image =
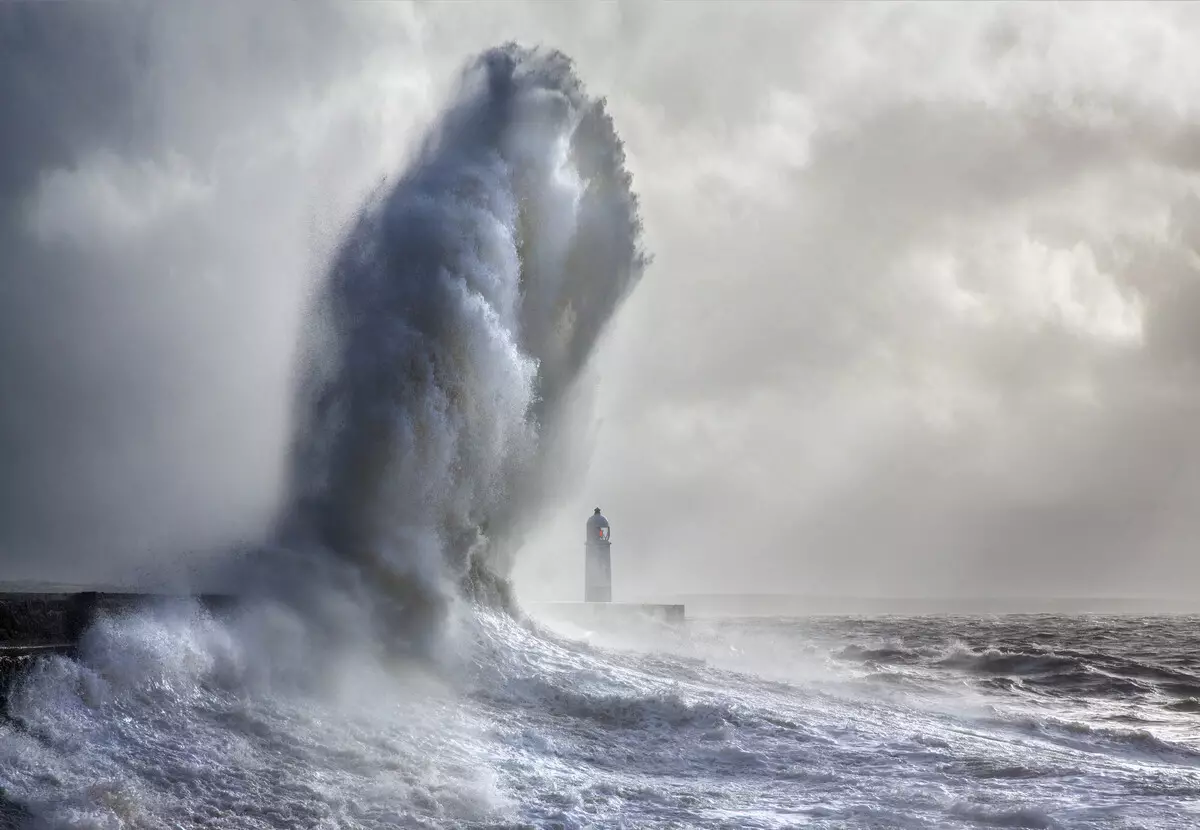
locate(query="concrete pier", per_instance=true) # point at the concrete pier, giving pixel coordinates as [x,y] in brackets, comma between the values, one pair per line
[600,613]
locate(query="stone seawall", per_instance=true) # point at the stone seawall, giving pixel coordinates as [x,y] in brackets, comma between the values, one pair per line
[36,624]
[40,619]
[44,619]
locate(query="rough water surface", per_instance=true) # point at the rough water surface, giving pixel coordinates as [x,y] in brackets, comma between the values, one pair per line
[169,720]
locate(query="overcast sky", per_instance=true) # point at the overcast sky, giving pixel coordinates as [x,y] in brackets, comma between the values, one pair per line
[924,316]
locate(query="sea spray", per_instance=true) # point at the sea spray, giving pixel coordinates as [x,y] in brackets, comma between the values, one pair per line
[461,307]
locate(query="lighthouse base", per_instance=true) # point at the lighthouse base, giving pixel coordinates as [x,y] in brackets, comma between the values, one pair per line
[597,572]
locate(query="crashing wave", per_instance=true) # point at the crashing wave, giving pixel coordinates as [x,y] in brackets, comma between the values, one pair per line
[459,310]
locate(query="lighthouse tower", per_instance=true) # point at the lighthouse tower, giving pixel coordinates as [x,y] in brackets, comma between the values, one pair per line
[597,565]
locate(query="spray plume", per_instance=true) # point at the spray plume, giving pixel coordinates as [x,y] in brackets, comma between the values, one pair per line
[461,307]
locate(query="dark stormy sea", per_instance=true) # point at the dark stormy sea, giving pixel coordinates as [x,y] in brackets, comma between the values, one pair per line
[174,719]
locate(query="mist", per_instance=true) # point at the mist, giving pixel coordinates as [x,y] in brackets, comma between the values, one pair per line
[919,322]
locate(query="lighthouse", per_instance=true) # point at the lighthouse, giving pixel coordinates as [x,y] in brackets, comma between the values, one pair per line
[597,565]
[598,607]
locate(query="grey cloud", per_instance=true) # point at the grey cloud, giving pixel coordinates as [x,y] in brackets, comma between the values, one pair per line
[878,350]
[1060,454]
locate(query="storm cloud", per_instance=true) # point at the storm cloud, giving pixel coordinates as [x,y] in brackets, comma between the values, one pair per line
[921,320]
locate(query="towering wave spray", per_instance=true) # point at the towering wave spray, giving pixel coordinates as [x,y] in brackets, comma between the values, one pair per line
[458,312]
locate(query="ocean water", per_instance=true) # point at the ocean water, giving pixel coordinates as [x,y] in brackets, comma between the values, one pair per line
[174,719]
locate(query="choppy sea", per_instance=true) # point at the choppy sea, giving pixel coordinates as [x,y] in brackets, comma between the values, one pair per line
[173,719]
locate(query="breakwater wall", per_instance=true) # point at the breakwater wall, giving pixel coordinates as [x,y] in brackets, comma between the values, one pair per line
[34,624]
